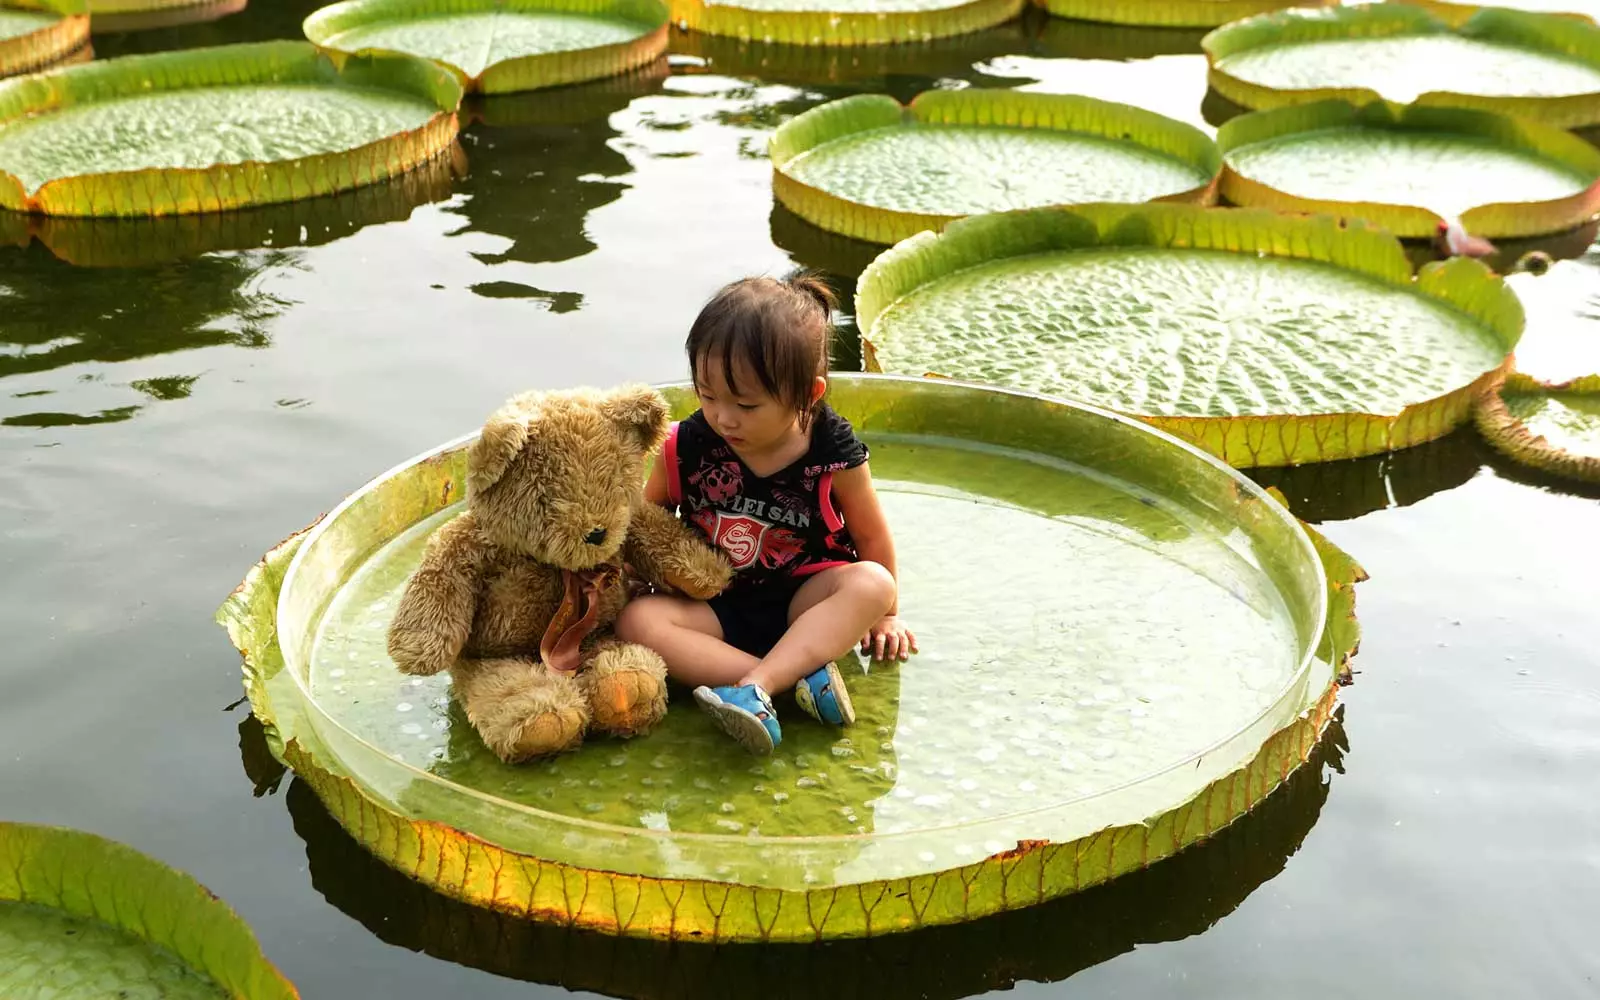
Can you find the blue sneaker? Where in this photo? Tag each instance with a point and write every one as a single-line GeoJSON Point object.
{"type": "Point", "coordinates": [745, 713]}
{"type": "Point", "coordinates": [822, 696]}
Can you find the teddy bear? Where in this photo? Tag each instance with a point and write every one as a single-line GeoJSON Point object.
{"type": "Point", "coordinates": [516, 595]}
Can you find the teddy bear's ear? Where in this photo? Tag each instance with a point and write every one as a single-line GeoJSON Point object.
{"type": "Point", "coordinates": [641, 413]}
{"type": "Point", "coordinates": [504, 436]}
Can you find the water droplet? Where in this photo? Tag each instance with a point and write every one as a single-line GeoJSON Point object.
{"type": "Point", "coordinates": [404, 706]}
{"type": "Point", "coordinates": [805, 782]}
{"type": "Point", "coordinates": [411, 729]}
{"type": "Point", "coordinates": [780, 797]}
{"type": "Point", "coordinates": [727, 807]}
{"type": "Point", "coordinates": [336, 672]}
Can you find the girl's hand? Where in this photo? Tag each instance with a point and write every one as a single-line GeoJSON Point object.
{"type": "Point", "coordinates": [888, 639]}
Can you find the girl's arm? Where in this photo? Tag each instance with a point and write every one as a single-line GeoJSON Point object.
{"type": "Point", "coordinates": [655, 488]}
{"type": "Point", "coordinates": [857, 501]}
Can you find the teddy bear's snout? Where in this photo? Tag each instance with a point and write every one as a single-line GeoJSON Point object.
{"type": "Point", "coordinates": [595, 537]}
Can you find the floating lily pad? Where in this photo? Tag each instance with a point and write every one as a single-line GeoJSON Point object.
{"type": "Point", "coordinates": [500, 46]}
{"type": "Point", "coordinates": [150, 18]}
{"type": "Point", "coordinates": [1406, 167]}
{"type": "Point", "coordinates": [1454, 10]}
{"type": "Point", "coordinates": [81, 916]}
{"type": "Point", "coordinates": [867, 167]}
{"type": "Point", "coordinates": [842, 22]}
{"type": "Point", "coordinates": [1170, 13]}
{"type": "Point", "coordinates": [1130, 707]}
{"type": "Point", "coordinates": [1265, 339]}
{"type": "Point", "coordinates": [217, 128]}
{"type": "Point", "coordinates": [1533, 65]}
{"type": "Point", "coordinates": [139, 242]}
{"type": "Point", "coordinates": [1553, 428]}
{"type": "Point", "coordinates": [37, 33]}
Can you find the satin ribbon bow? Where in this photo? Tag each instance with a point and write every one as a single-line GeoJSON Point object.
{"type": "Point", "coordinates": [576, 617]}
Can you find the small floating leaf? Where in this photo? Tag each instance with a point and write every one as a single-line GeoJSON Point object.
{"type": "Point", "coordinates": [84, 916]}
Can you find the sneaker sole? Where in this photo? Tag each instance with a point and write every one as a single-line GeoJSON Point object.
{"type": "Point", "coordinates": [736, 722]}
{"type": "Point", "coordinates": [841, 694]}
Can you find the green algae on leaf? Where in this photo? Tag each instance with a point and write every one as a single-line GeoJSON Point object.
{"type": "Point", "coordinates": [842, 22]}
{"type": "Point", "coordinates": [1263, 339]}
{"type": "Point", "coordinates": [1553, 428]}
{"type": "Point", "coordinates": [1405, 168]}
{"type": "Point", "coordinates": [869, 168]}
{"type": "Point", "coordinates": [83, 916]}
{"type": "Point", "coordinates": [37, 33]}
{"type": "Point", "coordinates": [1534, 65]}
{"type": "Point", "coordinates": [678, 835]}
{"type": "Point", "coordinates": [213, 129]}
{"type": "Point", "coordinates": [499, 46]}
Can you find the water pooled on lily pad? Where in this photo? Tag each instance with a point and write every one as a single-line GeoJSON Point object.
{"type": "Point", "coordinates": [45, 954]}
{"type": "Point", "coordinates": [1076, 635]}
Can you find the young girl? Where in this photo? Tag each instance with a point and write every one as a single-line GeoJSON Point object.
{"type": "Point", "coordinates": [777, 480]}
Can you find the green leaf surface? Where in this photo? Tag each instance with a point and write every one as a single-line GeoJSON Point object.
{"type": "Point", "coordinates": [209, 129]}
{"type": "Point", "coordinates": [679, 835]}
{"type": "Point", "coordinates": [843, 22]}
{"type": "Point", "coordinates": [81, 916]}
{"type": "Point", "coordinates": [1169, 314]}
{"type": "Point", "coordinates": [1406, 167]}
{"type": "Point", "coordinates": [866, 167]}
{"type": "Point", "coordinates": [1541, 66]}
{"type": "Point", "coordinates": [498, 46]}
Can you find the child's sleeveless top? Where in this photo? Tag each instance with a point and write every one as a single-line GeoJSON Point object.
{"type": "Point", "coordinates": [782, 525]}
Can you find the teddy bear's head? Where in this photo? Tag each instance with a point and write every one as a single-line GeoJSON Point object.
{"type": "Point", "coordinates": [556, 475]}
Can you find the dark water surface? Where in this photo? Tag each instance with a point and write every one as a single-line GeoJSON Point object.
{"type": "Point", "coordinates": [164, 421]}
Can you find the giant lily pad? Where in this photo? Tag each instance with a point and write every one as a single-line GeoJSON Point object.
{"type": "Point", "coordinates": [1534, 65]}
{"type": "Point", "coordinates": [842, 22]}
{"type": "Point", "coordinates": [1456, 10]}
{"type": "Point", "coordinates": [36, 33]}
{"type": "Point", "coordinates": [1553, 428]}
{"type": "Point", "coordinates": [869, 168]}
{"type": "Point", "coordinates": [1406, 167]}
{"type": "Point", "coordinates": [217, 128]}
{"type": "Point", "coordinates": [81, 916]}
{"type": "Point", "coordinates": [1170, 13]}
{"type": "Point", "coordinates": [122, 17]}
{"type": "Point", "coordinates": [1132, 705]}
{"type": "Point", "coordinates": [1265, 339]}
{"type": "Point", "coordinates": [499, 46]}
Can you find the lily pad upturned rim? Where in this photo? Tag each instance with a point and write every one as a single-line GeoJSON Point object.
{"type": "Point", "coordinates": [1513, 438]}
{"type": "Point", "coordinates": [833, 23]}
{"type": "Point", "coordinates": [530, 72]}
{"type": "Point", "coordinates": [1455, 11]}
{"type": "Point", "coordinates": [1461, 283]}
{"type": "Point", "coordinates": [153, 18]}
{"type": "Point", "coordinates": [1000, 108]}
{"type": "Point", "coordinates": [1169, 13]}
{"type": "Point", "coordinates": [220, 187]}
{"type": "Point", "coordinates": [471, 868]}
{"type": "Point", "coordinates": [1492, 219]}
{"type": "Point", "coordinates": [47, 45]}
{"type": "Point", "coordinates": [1545, 33]}
{"type": "Point", "coordinates": [90, 877]}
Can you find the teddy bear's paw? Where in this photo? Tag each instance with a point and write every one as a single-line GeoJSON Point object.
{"type": "Point", "coordinates": [546, 734]}
{"type": "Point", "coordinates": [702, 575]}
{"type": "Point", "coordinates": [627, 690]}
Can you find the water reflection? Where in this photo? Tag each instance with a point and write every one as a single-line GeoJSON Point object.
{"type": "Point", "coordinates": [219, 23]}
{"type": "Point", "coordinates": [1340, 491]}
{"type": "Point", "coordinates": [54, 315]}
{"type": "Point", "coordinates": [540, 162]}
{"type": "Point", "coordinates": [1174, 899]}
{"type": "Point", "coordinates": [139, 242]}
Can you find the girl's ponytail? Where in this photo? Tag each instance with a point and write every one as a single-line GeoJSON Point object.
{"type": "Point", "coordinates": [810, 284]}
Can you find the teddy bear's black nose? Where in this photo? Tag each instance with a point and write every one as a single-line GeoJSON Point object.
{"type": "Point", "coordinates": [595, 537]}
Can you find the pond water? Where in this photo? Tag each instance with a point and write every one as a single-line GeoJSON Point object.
{"type": "Point", "coordinates": [164, 421]}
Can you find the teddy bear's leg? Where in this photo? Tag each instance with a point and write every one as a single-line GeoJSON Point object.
{"type": "Point", "coordinates": [521, 708]}
{"type": "Point", "coordinates": [626, 685]}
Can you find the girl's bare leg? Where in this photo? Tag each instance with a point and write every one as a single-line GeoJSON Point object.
{"type": "Point", "coordinates": [827, 618]}
{"type": "Point", "coordinates": [688, 637]}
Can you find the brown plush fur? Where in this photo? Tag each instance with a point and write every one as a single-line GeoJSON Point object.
{"type": "Point", "coordinates": [549, 469]}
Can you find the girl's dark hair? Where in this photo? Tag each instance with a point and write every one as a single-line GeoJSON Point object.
{"type": "Point", "coordinates": [776, 328]}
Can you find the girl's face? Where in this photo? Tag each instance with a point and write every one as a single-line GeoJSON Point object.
{"type": "Point", "coordinates": [751, 420]}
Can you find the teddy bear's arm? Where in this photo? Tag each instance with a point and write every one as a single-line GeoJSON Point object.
{"type": "Point", "coordinates": [664, 551]}
{"type": "Point", "coordinates": [435, 616]}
